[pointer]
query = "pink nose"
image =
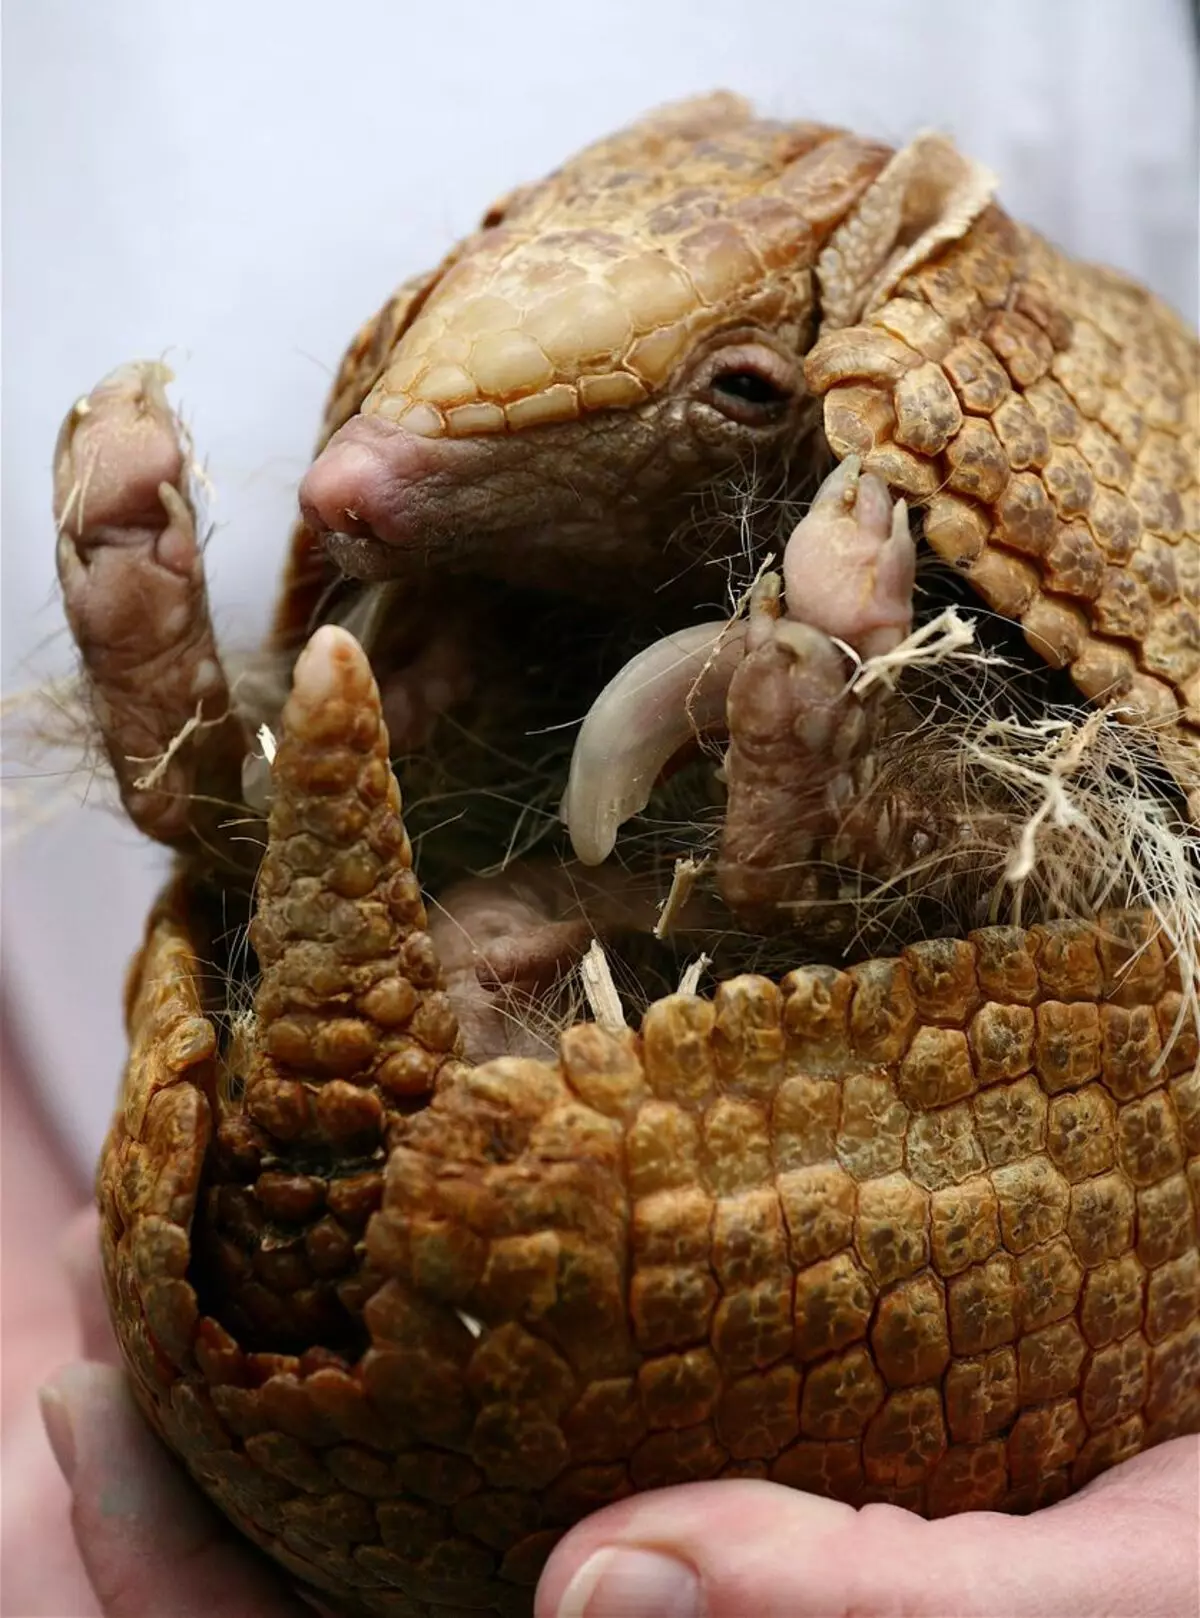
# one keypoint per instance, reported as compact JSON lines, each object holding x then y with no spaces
{"x":362,"y":481}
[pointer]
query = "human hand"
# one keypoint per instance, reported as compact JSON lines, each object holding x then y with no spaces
{"x":1126,"y":1545}
{"x":40,"y":1572}
{"x":150,"y":1542}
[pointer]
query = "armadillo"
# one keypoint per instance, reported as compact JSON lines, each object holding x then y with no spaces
{"x":412,"y":1285}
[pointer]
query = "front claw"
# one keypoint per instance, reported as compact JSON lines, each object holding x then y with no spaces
{"x":132,"y":578}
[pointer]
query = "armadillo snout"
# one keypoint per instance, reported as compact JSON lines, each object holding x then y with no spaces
{"x":364,"y":492}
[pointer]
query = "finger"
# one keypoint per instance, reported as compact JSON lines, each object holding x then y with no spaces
{"x":41,"y":1574}
{"x":79,"y":1252}
{"x":723,"y":1550}
{"x":150,"y":1543}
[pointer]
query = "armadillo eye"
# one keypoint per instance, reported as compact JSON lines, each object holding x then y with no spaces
{"x":748,"y":385}
{"x":748,"y":395}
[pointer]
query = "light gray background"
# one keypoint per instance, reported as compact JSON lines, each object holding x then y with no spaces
{"x":235,"y":184}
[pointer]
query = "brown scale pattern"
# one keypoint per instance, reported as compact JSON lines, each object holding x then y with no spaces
{"x":1044,"y":415}
{"x":352,"y":1026}
{"x":925,"y":1231}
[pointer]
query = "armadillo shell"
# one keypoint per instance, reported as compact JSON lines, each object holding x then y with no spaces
{"x":923,"y":1232}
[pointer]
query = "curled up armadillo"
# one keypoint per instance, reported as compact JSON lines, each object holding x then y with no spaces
{"x":858,"y":1163}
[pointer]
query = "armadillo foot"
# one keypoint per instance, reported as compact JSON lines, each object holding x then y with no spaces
{"x":780,"y":685}
{"x":796,"y":728}
{"x":849,"y":565}
{"x":505,"y":950}
{"x":133,"y":583}
{"x":510,"y":946}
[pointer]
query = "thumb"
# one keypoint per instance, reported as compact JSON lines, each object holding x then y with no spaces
{"x":149,"y":1541}
{"x":1125,"y":1547}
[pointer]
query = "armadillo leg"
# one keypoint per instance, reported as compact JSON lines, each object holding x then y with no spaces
{"x":510,"y":943}
{"x":505,"y":945}
{"x":133,"y":585}
{"x":796,"y":729}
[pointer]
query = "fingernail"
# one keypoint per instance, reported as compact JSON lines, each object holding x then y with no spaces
{"x":56,"y":1419}
{"x":103,"y":1439}
{"x":623,"y":1582}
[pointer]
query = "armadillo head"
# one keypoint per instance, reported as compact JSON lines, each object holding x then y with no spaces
{"x":609,"y":343}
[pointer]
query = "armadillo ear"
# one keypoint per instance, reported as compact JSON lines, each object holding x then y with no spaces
{"x":928,"y":194}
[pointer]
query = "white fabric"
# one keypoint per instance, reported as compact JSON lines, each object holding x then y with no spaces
{"x":237,"y":185}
